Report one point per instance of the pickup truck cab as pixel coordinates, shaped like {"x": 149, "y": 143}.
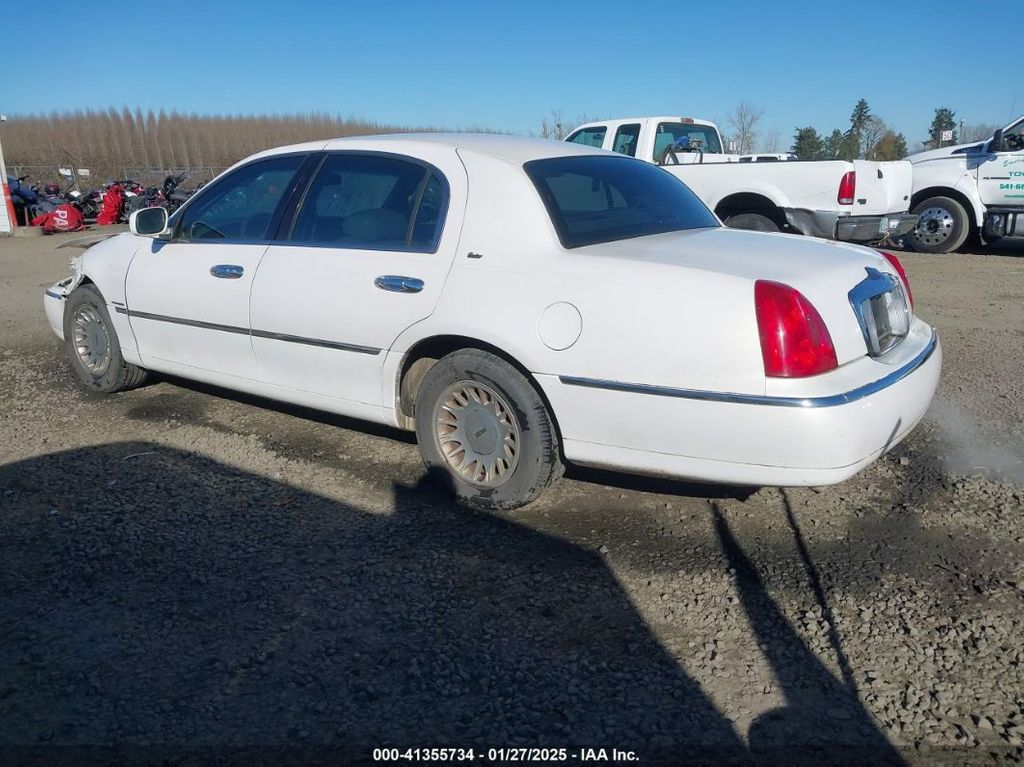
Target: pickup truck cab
{"x": 970, "y": 188}
{"x": 857, "y": 201}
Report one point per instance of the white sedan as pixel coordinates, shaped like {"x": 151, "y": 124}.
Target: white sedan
{"x": 518, "y": 303}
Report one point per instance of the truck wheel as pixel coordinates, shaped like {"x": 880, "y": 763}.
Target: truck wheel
{"x": 753, "y": 221}
{"x": 92, "y": 345}
{"x": 480, "y": 422}
{"x": 942, "y": 226}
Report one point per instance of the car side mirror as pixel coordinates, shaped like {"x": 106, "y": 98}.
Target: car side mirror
{"x": 148, "y": 222}
{"x": 997, "y": 141}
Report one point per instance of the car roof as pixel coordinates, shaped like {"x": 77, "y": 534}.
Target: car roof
{"x": 516, "y": 149}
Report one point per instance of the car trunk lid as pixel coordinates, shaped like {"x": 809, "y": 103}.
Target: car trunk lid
{"x": 824, "y": 272}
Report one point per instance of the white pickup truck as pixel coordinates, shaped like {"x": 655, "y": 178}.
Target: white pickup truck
{"x": 968, "y": 188}
{"x": 858, "y": 201}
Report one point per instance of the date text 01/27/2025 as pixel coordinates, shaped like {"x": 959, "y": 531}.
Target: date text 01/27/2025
{"x": 511, "y": 754}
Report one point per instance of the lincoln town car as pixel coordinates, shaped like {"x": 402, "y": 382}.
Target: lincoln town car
{"x": 519, "y": 304}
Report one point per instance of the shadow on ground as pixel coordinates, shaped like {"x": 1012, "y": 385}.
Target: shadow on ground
{"x": 152, "y": 596}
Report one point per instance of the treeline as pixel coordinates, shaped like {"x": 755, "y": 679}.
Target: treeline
{"x": 107, "y": 142}
{"x": 868, "y": 137}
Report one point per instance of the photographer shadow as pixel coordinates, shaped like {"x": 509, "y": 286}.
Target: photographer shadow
{"x": 155, "y": 596}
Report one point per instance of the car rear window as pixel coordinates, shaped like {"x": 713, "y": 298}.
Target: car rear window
{"x": 594, "y": 199}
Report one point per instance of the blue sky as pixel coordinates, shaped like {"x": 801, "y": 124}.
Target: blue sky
{"x": 507, "y": 65}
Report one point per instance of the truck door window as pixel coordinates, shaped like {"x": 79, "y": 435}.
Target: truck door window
{"x": 589, "y": 136}
{"x": 625, "y": 139}
{"x": 1013, "y": 138}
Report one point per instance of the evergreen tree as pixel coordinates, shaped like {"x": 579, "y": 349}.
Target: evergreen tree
{"x": 851, "y": 146}
{"x": 807, "y": 144}
{"x": 860, "y": 116}
{"x": 942, "y": 121}
{"x": 830, "y": 146}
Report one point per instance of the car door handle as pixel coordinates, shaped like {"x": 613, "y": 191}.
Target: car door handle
{"x": 398, "y": 284}
{"x": 227, "y": 271}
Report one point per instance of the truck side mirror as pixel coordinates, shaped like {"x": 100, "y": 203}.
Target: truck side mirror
{"x": 997, "y": 141}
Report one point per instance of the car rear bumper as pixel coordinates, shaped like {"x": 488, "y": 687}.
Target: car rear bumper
{"x": 745, "y": 439}
{"x": 833, "y": 226}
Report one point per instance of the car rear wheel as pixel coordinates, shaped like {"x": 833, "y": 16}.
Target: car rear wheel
{"x": 942, "y": 226}
{"x": 92, "y": 345}
{"x": 753, "y": 221}
{"x": 483, "y": 425}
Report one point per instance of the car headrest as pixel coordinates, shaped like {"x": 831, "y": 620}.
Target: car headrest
{"x": 376, "y": 225}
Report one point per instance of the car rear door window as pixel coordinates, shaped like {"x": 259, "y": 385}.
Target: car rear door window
{"x": 376, "y": 202}
{"x": 243, "y": 206}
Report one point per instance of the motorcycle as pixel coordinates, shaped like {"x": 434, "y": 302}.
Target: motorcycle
{"x": 168, "y": 196}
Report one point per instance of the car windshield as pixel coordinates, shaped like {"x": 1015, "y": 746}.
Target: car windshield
{"x": 598, "y": 198}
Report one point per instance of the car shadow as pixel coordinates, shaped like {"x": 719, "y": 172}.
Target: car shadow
{"x": 157, "y": 411}
{"x": 298, "y": 411}
{"x": 662, "y": 485}
{"x": 152, "y": 596}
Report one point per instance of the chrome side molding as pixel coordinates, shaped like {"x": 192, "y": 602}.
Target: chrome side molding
{"x": 734, "y": 398}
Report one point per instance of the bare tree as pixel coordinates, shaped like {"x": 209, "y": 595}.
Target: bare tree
{"x": 744, "y": 119}
{"x": 979, "y": 132}
{"x": 873, "y": 130}
{"x": 110, "y": 141}
{"x": 772, "y": 142}
{"x": 556, "y": 127}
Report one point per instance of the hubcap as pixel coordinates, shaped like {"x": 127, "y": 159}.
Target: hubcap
{"x": 92, "y": 344}
{"x": 477, "y": 433}
{"x": 934, "y": 226}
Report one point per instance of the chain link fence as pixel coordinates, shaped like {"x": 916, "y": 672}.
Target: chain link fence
{"x": 194, "y": 175}
{"x": 84, "y": 179}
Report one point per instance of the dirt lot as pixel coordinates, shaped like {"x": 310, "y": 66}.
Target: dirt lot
{"x": 180, "y": 565}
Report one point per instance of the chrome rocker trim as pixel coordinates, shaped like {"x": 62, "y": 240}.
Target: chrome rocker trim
{"x": 132, "y": 313}
{"x": 757, "y": 399}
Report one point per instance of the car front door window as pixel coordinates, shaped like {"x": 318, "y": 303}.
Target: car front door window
{"x": 188, "y": 298}
{"x": 241, "y": 207}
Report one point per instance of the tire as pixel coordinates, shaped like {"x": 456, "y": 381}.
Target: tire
{"x": 752, "y": 221}
{"x": 943, "y": 226}
{"x": 92, "y": 345}
{"x": 505, "y": 411}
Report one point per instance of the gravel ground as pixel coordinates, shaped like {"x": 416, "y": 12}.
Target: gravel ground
{"x": 184, "y": 566}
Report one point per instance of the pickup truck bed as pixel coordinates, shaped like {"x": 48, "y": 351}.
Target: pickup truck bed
{"x": 857, "y": 201}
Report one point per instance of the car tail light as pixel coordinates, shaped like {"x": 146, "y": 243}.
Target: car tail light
{"x": 901, "y": 272}
{"x": 794, "y": 340}
{"x": 847, "y": 188}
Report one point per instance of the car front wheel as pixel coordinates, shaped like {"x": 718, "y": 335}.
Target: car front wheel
{"x": 92, "y": 345}
{"x": 483, "y": 425}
